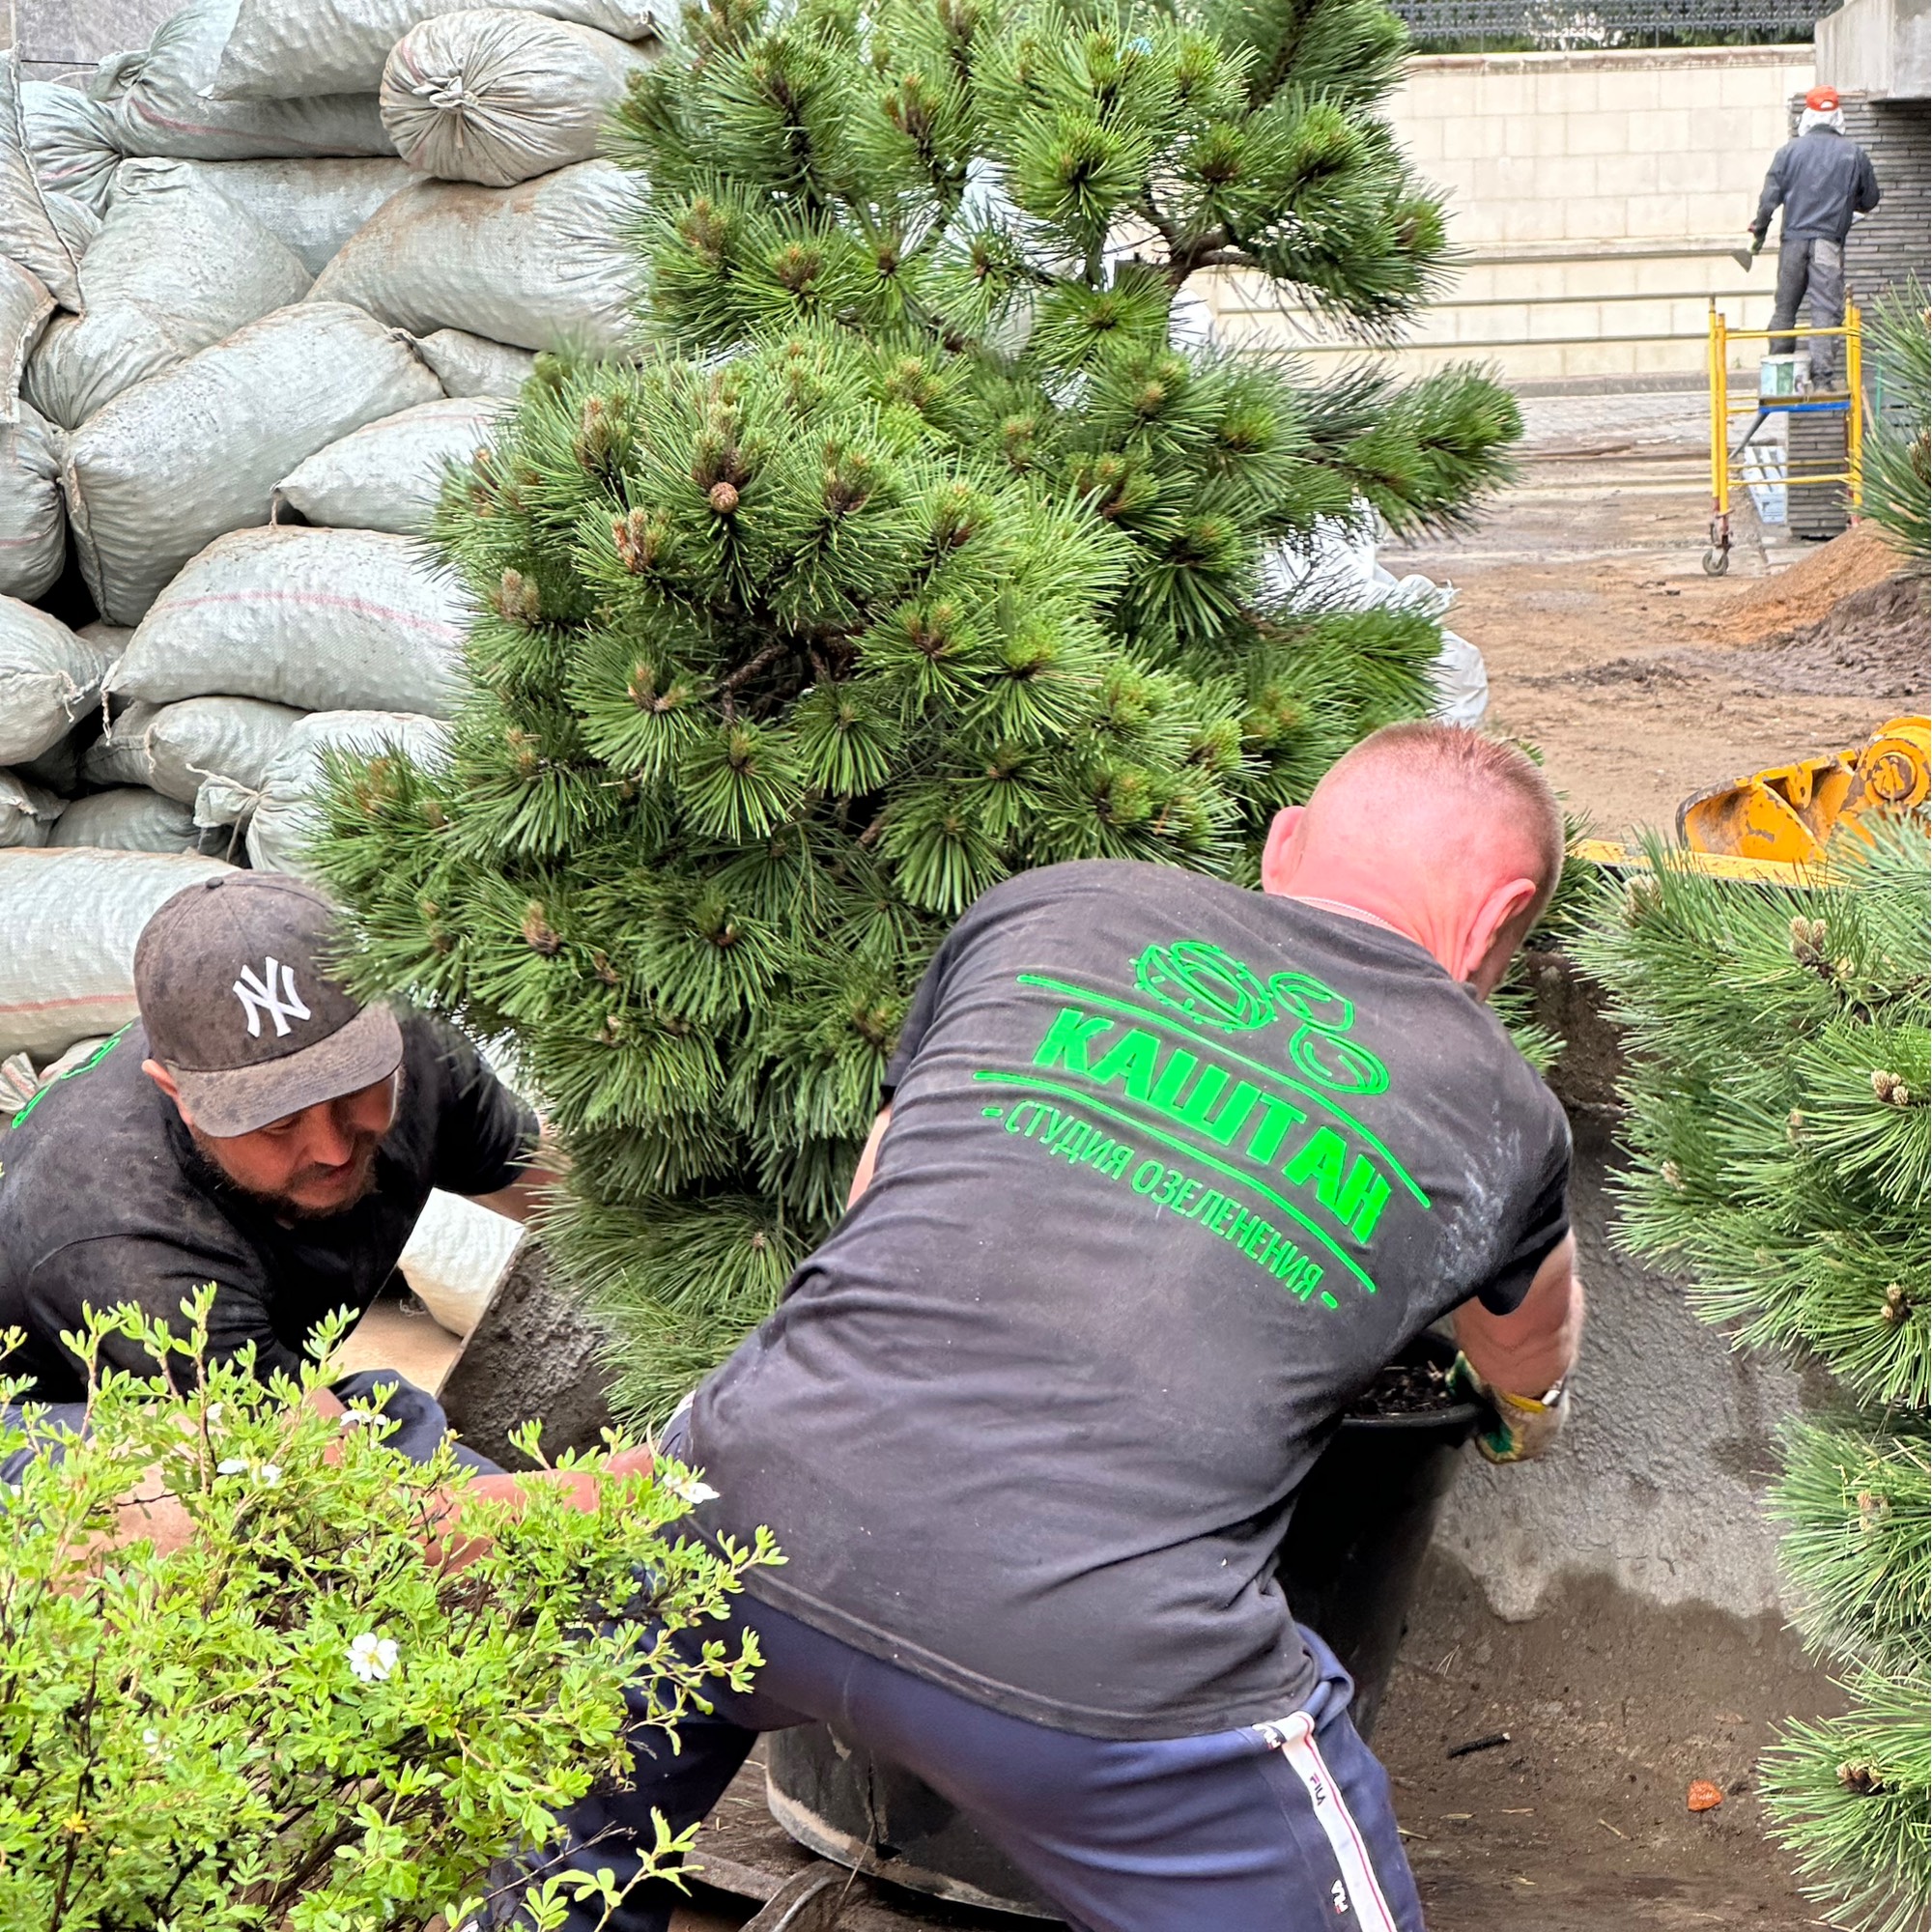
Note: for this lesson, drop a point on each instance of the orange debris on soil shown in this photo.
(1704, 1796)
(1807, 591)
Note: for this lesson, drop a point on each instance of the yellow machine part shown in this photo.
(1787, 814)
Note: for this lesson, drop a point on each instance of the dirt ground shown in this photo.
(1642, 679)
(1576, 1823)
(1579, 1822)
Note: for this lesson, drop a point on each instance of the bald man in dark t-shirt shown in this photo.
(1168, 1170)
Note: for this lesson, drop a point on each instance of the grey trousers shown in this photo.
(1810, 269)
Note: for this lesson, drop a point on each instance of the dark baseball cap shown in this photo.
(229, 977)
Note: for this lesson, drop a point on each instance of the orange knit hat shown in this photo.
(1822, 99)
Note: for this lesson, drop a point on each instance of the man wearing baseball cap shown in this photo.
(1821, 179)
(257, 1128)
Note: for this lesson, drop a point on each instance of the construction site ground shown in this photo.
(1642, 679)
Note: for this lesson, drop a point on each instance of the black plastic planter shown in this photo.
(1348, 1565)
(1361, 1526)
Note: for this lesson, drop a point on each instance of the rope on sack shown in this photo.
(238, 825)
(447, 96)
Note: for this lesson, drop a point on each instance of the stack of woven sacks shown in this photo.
(263, 285)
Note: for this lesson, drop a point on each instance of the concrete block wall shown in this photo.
(1593, 196)
(1895, 240)
(1881, 48)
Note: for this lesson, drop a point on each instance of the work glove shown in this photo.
(1521, 1427)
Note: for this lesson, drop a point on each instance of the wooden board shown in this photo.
(743, 1853)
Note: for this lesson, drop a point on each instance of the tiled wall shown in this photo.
(1594, 196)
(1896, 242)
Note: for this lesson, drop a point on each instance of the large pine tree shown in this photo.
(907, 552)
(1778, 1110)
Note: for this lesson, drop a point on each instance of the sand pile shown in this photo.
(1873, 643)
(1775, 607)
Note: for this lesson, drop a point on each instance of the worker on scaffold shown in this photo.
(1821, 179)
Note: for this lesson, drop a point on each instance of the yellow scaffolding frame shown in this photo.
(1848, 402)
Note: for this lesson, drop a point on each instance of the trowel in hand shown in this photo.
(1745, 257)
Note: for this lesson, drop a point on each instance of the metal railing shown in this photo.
(1497, 25)
(1309, 328)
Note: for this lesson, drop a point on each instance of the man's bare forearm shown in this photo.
(527, 1193)
(1530, 1351)
(868, 1155)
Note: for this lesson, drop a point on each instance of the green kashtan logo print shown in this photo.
(1254, 1139)
(1211, 988)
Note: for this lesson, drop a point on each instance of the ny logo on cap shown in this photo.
(258, 996)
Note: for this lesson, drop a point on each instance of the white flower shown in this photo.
(152, 1737)
(358, 1418)
(689, 1489)
(373, 1657)
(214, 1411)
(268, 1474)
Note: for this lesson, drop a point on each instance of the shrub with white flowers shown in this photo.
(292, 1694)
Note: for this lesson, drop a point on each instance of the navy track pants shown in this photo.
(1284, 1826)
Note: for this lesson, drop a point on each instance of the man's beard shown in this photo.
(280, 1205)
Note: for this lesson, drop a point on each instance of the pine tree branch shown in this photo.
(746, 672)
(1222, 257)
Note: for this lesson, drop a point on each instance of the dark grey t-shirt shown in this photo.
(1172, 1169)
(106, 1199)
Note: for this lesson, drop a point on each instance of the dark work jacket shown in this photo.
(1821, 179)
(104, 1200)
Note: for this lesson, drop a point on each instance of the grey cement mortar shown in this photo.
(536, 1355)
(1657, 1483)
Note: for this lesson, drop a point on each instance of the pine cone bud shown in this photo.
(517, 599)
(1891, 1089)
(723, 499)
(1898, 1303)
(597, 434)
(1808, 941)
(1862, 1781)
(431, 918)
(638, 540)
(1673, 1176)
(538, 934)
